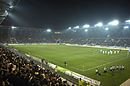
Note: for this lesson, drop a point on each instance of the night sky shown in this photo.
(60, 14)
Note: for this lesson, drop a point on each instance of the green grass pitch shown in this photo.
(83, 60)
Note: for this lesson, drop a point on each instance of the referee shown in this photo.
(65, 63)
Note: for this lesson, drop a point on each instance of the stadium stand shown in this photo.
(19, 71)
(36, 35)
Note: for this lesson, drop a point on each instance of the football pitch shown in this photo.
(83, 60)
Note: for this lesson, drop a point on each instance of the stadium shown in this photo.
(81, 54)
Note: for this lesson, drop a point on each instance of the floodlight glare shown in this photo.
(13, 27)
(100, 24)
(127, 21)
(86, 26)
(48, 30)
(106, 28)
(69, 28)
(6, 12)
(126, 27)
(11, 6)
(86, 30)
(76, 27)
(113, 23)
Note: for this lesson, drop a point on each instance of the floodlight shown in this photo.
(13, 27)
(100, 24)
(126, 27)
(86, 30)
(113, 23)
(86, 26)
(127, 21)
(107, 28)
(69, 28)
(76, 27)
(11, 6)
(6, 12)
(48, 30)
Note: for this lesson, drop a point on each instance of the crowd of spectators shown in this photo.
(16, 70)
(99, 41)
(95, 36)
(81, 41)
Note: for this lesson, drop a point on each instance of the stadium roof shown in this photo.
(5, 6)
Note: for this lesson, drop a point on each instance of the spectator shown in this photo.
(18, 71)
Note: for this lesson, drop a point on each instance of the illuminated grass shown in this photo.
(83, 60)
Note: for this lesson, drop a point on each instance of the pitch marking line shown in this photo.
(98, 65)
(105, 64)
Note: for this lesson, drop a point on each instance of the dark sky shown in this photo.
(60, 14)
